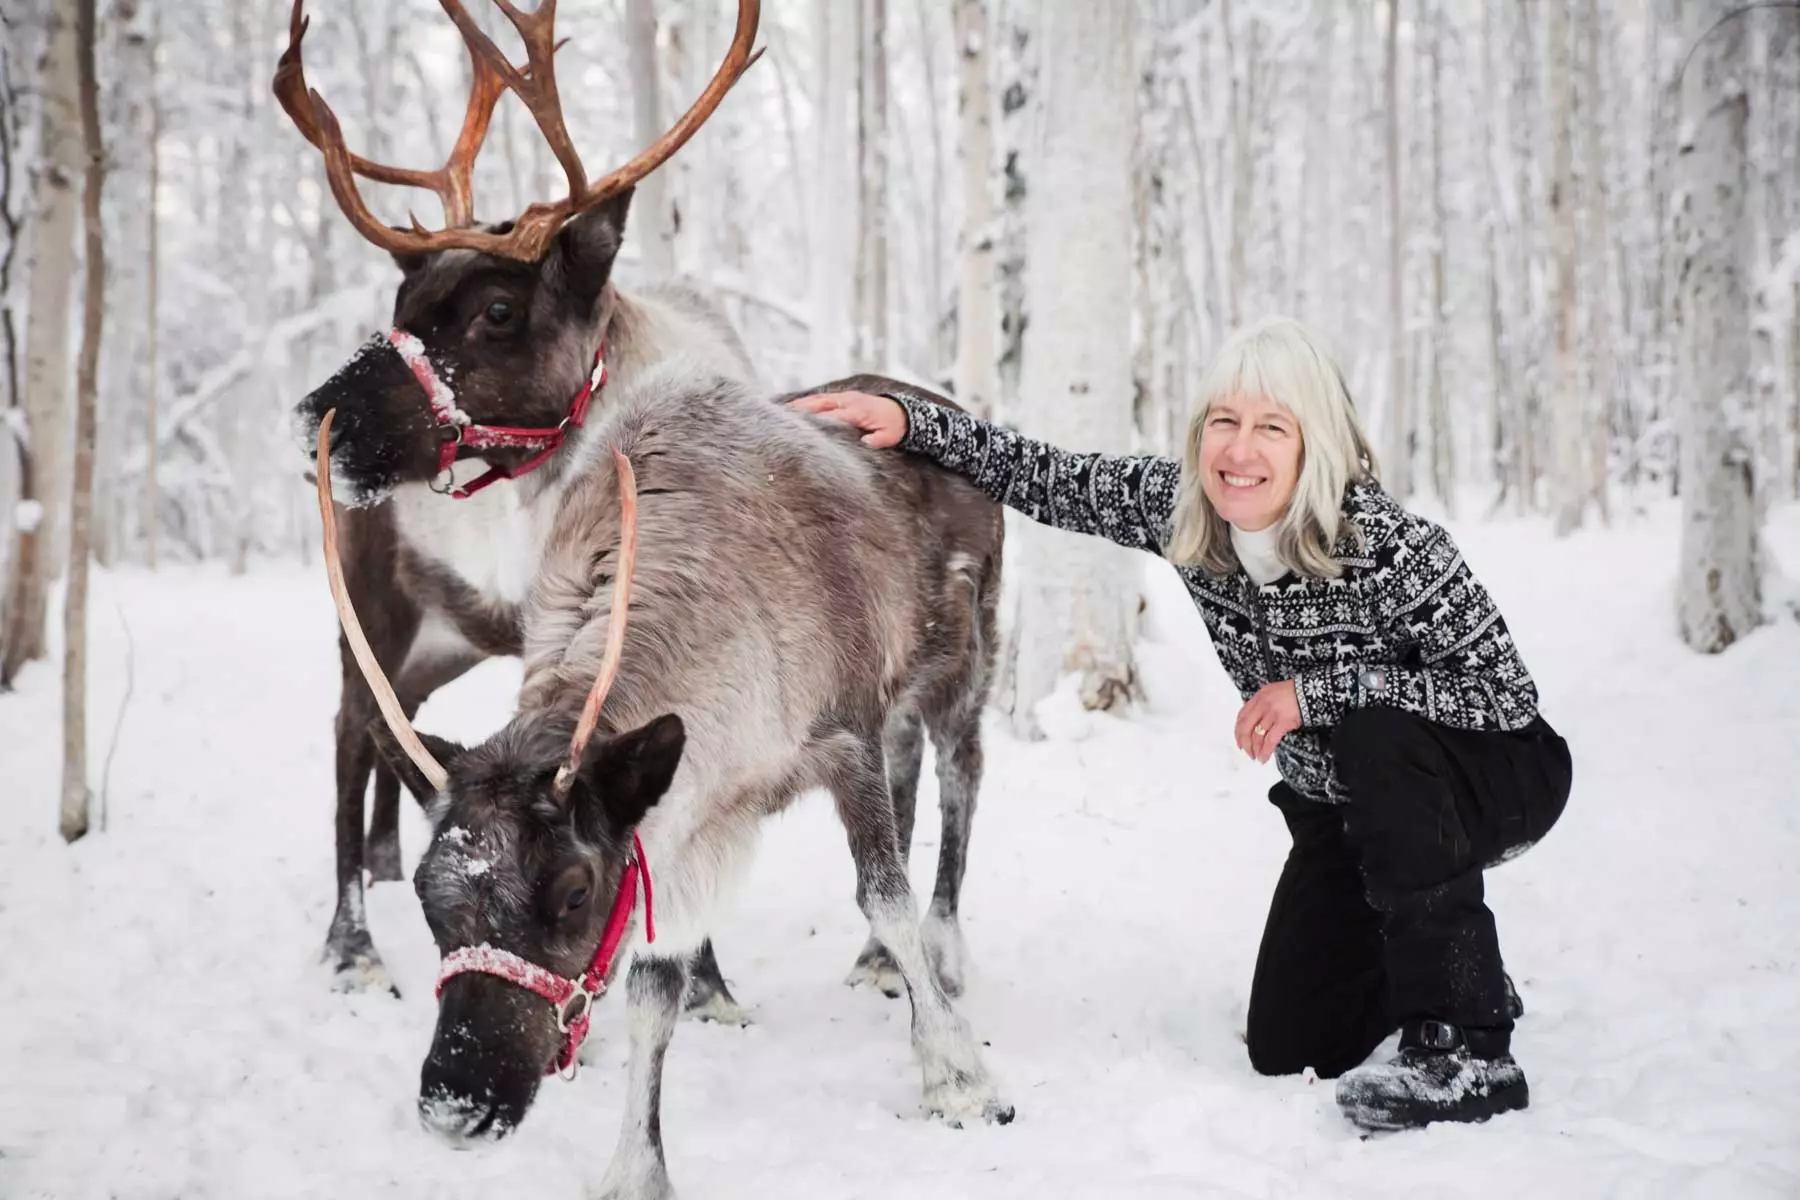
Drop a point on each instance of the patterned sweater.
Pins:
(1406, 602)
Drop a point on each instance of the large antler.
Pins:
(494, 74)
(615, 628)
(353, 632)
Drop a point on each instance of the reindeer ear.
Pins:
(445, 751)
(586, 247)
(626, 774)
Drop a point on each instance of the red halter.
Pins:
(572, 999)
(459, 431)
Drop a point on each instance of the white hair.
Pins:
(1282, 359)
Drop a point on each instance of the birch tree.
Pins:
(44, 474)
(871, 347)
(1398, 459)
(1565, 397)
(73, 818)
(1078, 594)
(653, 226)
(977, 309)
(1719, 597)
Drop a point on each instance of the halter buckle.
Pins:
(576, 1008)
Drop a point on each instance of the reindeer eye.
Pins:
(574, 900)
(500, 314)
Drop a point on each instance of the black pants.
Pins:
(1378, 916)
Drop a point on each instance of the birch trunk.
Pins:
(1443, 461)
(978, 295)
(651, 215)
(1398, 459)
(151, 517)
(44, 481)
(1078, 594)
(73, 818)
(832, 224)
(1597, 284)
(1718, 596)
(871, 349)
(1566, 392)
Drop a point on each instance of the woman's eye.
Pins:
(574, 900)
(500, 313)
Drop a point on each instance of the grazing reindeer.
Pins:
(787, 592)
(501, 329)
(519, 335)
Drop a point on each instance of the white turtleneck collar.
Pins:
(1258, 554)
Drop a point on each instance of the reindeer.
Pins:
(496, 329)
(786, 593)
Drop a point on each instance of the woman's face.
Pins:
(1249, 459)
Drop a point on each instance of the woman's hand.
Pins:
(882, 421)
(1269, 716)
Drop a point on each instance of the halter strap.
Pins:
(572, 999)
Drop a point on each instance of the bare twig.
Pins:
(119, 720)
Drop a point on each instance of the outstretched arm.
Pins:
(1128, 499)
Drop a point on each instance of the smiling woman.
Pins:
(1375, 670)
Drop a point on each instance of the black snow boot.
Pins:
(1442, 1073)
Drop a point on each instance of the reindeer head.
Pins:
(495, 325)
(530, 868)
(533, 832)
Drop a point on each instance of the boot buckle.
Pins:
(1439, 1035)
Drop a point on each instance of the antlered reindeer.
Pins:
(503, 338)
(786, 593)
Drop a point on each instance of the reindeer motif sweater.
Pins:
(1406, 624)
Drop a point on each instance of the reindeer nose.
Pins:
(460, 1120)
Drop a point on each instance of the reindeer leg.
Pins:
(417, 682)
(381, 850)
(653, 994)
(957, 1086)
(349, 949)
(905, 747)
(959, 763)
(708, 997)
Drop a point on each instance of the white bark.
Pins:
(1566, 396)
(47, 362)
(831, 225)
(1718, 596)
(1078, 595)
(73, 817)
(652, 222)
(1397, 462)
(978, 295)
(871, 347)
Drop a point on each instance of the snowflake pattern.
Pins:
(1406, 602)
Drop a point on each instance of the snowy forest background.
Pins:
(1562, 272)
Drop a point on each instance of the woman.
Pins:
(1376, 671)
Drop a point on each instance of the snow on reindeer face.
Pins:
(514, 866)
(496, 342)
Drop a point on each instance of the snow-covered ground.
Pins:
(166, 1031)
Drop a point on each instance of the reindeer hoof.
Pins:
(965, 1104)
(718, 1008)
(875, 967)
(356, 968)
(361, 976)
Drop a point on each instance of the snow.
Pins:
(167, 1031)
(27, 515)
